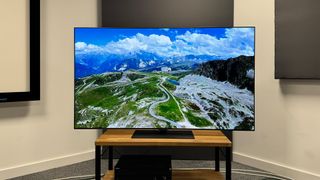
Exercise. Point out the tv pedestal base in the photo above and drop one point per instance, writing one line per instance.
(163, 134)
(202, 138)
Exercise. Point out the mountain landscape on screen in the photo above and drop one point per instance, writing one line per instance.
(196, 78)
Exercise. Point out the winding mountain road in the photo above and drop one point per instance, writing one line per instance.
(186, 122)
(155, 104)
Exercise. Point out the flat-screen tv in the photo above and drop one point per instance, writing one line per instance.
(165, 78)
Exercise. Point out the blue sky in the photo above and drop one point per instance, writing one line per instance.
(165, 42)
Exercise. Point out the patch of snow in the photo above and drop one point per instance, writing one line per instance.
(216, 97)
(143, 103)
(151, 62)
(123, 79)
(123, 67)
(250, 74)
(83, 122)
(142, 64)
(166, 69)
(91, 111)
(134, 121)
(134, 97)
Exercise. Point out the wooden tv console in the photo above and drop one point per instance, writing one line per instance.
(203, 138)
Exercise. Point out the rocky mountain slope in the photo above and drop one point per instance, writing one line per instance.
(238, 71)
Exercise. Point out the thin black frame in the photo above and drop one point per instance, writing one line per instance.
(187, 129)
(34, 44)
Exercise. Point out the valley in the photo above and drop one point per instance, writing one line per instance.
(177, 99)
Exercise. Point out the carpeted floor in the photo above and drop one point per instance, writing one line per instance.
(86, 170)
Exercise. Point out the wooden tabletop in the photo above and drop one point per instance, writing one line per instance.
(203, 138)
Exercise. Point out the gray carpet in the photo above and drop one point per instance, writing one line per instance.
(87, 168)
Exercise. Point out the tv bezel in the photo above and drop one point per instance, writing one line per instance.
(34, 68)
(186, 129)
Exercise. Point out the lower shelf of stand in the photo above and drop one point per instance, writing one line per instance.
(201, 174)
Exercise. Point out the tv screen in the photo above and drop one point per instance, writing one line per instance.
(184, 78)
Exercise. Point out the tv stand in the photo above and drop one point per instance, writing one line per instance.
(202, 138)
(163, 133)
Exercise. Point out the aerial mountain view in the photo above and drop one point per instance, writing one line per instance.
(197, 78)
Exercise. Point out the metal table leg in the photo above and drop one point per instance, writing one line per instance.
(228, 163)
(98, 162)
(217, 158)
(110, 158)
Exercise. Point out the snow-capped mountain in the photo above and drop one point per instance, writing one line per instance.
(87, 64)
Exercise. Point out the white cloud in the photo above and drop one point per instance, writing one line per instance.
(240, 40)
(158, 44)
(80, 46)
(198, 44)
(125, 46)
(83, 48)
(153, 39)
(237, 41)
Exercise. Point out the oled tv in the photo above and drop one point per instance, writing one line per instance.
(164, 78)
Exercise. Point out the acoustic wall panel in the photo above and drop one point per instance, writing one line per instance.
(297, 39)
(167, 13)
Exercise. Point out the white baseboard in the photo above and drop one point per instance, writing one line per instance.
(43, 165)
(273, 167)
(38, 166)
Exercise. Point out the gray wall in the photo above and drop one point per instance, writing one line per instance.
(167, 13)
